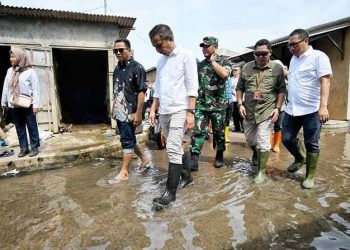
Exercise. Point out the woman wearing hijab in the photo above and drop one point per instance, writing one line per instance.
(21, 79)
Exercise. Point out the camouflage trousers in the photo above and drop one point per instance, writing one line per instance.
(201, 130)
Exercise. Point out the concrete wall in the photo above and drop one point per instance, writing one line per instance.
(53, 32)
(338, 104)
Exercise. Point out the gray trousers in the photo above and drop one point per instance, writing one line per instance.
(173, 127)
(258, 134)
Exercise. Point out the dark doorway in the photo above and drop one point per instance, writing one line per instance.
(4, 64)
(81, 77)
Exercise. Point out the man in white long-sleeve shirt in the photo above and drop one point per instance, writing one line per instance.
(175, 93)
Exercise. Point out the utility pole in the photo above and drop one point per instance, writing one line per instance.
(105, 5)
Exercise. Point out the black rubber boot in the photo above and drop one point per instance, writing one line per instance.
(186, 178)
(219, 159)
(255, 155)
(169, 195)
(194, 162)
(299, 153)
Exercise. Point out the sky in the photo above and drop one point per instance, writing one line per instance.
(237, 24)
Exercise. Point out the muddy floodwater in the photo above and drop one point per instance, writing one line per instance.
(72, 208)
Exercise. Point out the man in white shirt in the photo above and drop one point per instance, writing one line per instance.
(237, 119)
(308, 90)
(175, 93)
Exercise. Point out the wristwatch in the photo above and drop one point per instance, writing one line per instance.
(191, 110)
(279, 109)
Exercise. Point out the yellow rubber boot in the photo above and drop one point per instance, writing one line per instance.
(227, 129)
(277, 141)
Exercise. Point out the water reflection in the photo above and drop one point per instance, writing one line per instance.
(71, 208)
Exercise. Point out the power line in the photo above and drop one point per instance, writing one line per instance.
(94, 9)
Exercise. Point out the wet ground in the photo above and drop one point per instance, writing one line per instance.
(70, 208)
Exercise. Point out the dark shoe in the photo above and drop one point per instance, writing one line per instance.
(219, 159)
(34, 152)
(255, 156)
(194, 162)
(169, 195)
(23, 152)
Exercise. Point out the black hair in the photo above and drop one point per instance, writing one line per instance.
(263, 42)
(125, 41)
(163, 31)
(302, 34)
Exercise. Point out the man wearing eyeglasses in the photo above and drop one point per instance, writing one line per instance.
(308, 90)
(175, 93)
(129, 89)
(211, 102)
(263, 83)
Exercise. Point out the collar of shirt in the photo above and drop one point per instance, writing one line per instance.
(126, 63)
(267, 66)
(308, 52)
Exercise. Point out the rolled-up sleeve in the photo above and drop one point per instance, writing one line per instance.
(36, 89)
(5, 90)
(191, 75)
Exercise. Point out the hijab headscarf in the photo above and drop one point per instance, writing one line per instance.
(23, 63)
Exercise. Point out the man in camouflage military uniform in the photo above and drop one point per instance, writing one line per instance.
(263, 83)
(211, 102)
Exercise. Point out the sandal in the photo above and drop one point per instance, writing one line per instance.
(144, 168)
(7, 153)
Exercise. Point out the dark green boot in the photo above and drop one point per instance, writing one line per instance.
(262, 160)
(299, 153)
(311, 164)
(255, 155)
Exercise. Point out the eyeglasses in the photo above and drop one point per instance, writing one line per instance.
(235, 70)
(261, 53)
(120, 50)
(294, 45)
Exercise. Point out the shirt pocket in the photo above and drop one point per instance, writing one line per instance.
(306, 73)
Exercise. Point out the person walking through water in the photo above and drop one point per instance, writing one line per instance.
(129, 89)
(175, 93)
(21, 79)
(211, 102)
(263, 83)
(308, 90)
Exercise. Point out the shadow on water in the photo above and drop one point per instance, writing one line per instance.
(70, 208)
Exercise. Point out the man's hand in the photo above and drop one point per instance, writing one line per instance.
(152, 118)
(323, 114)
(189, 123)
(35, 111)
(213, 57)
(241, 111)
(274, 115)
(137, 119)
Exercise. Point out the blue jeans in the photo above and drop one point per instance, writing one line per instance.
(311, 124)
(127, 136)
(24, 117)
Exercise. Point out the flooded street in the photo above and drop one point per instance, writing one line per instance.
(71, 208)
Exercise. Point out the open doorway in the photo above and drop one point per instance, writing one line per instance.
(82, 85)
(4, 64)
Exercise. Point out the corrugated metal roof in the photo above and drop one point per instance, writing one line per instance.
(123, 22)
(318, 29)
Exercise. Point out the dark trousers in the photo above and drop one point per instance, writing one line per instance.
(22, 118)
(311, 124)
(127, 136)
(237, 119)
(278, 124)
